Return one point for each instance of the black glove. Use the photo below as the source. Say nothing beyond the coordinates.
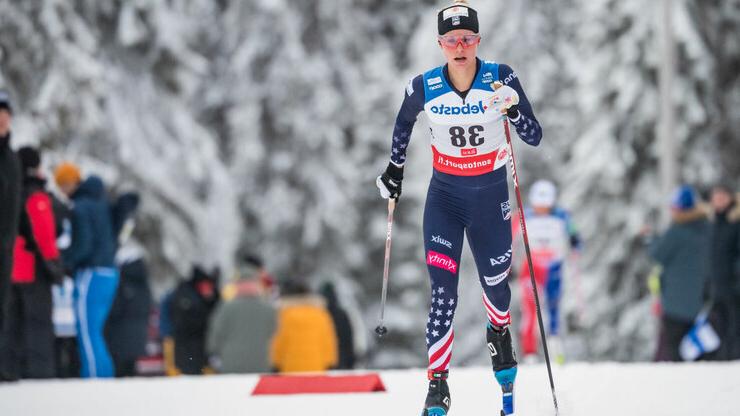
(513, 112)
(51, 270)
(389, 183)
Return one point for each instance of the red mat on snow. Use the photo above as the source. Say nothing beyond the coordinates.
(304, 384)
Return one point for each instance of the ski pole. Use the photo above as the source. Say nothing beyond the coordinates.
(525, 238)
(381, 329)
(581, 307)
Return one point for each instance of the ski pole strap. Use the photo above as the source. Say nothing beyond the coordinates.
(437, 375)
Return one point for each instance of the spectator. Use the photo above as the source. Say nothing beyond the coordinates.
(91, 258)
(66, 350)
(724, 271)
(267, 281)
(305, 339)
(682, 252)
(127, 327)
(10, 208)
(241, 327)
(190, 309)
(342, 325)
(36, 265)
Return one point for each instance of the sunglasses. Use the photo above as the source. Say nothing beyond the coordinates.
(451, 41)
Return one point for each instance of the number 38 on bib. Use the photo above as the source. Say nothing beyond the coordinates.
(467, 140)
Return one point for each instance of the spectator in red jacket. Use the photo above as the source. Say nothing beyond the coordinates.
(36, 266)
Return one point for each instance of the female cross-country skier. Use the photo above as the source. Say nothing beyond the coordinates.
(468, 191)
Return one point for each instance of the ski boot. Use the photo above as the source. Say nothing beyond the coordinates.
(438, 397)
(504, 363)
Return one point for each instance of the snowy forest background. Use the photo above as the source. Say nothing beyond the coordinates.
(262, 125)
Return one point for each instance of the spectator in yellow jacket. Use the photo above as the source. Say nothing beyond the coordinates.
(305, 339)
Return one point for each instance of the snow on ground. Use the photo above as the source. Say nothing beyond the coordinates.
(583, 390)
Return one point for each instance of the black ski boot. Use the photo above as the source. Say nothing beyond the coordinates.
(438, 397)
(504, 363)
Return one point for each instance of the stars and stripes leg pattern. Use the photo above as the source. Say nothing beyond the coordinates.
(439, 332)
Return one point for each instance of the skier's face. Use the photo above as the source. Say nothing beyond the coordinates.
(460, 47)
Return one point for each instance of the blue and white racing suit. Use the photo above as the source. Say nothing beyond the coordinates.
(468, 192)
(551, 236)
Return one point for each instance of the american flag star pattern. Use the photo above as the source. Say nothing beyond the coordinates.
(439, 333)
(527, 129)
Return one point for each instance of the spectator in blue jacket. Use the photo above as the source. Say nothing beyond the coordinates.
(90, 256)
(682, 252)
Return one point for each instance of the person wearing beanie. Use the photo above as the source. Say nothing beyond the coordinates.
(468, 102)
(552, 236)
(36, 266)
(682, 252)
(91, 257)
(10, 209)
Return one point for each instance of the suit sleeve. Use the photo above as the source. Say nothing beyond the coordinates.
(525, 123)
(413, 104)
(662, 248)
(41, 216)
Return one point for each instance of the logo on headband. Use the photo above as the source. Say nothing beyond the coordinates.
(456, 11)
